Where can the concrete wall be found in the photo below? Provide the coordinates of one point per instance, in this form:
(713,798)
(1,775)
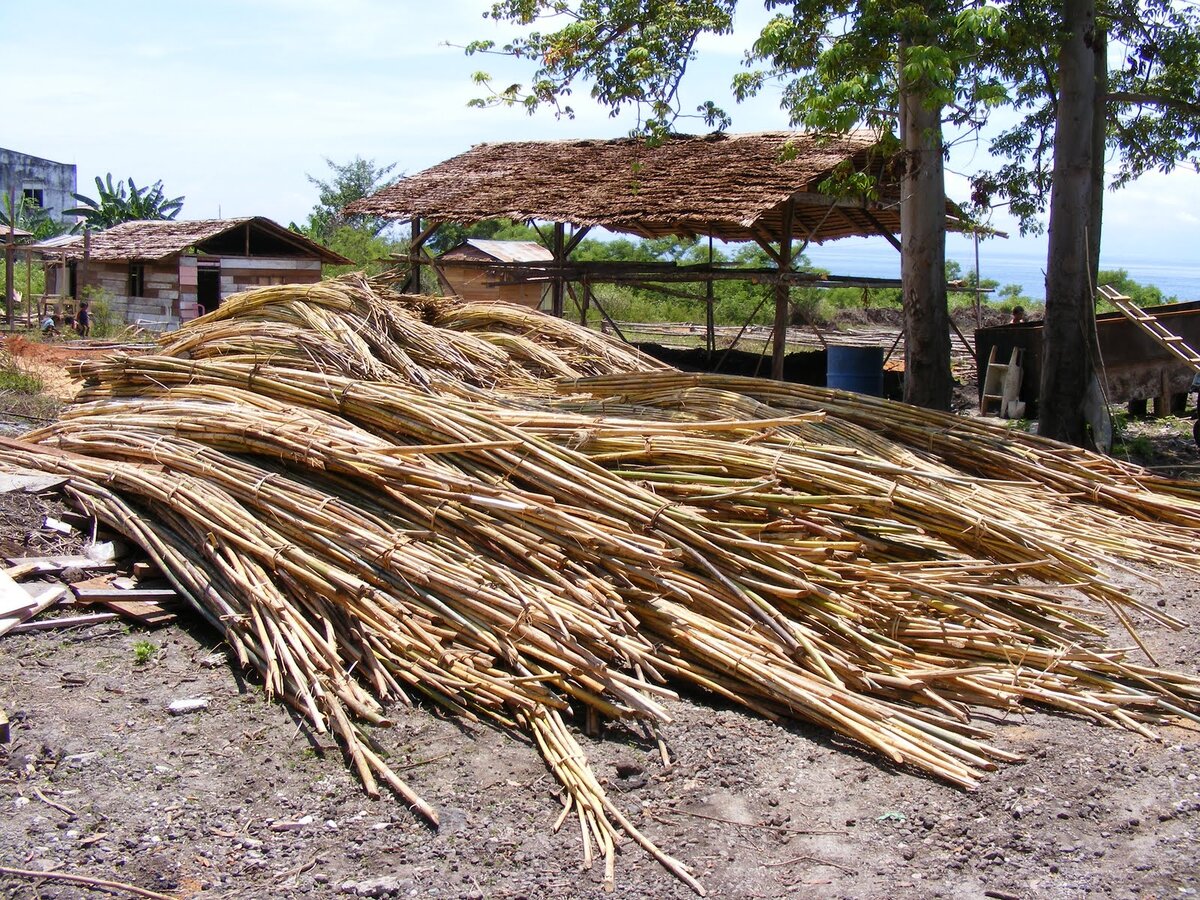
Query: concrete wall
(56,181)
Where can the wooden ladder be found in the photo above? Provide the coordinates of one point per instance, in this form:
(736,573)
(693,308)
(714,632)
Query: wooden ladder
(1130,310)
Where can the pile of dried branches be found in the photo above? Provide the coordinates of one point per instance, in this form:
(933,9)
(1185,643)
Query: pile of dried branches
(378,498)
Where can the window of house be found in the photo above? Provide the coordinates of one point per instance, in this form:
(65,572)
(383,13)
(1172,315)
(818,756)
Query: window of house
(37,195)
(137,280)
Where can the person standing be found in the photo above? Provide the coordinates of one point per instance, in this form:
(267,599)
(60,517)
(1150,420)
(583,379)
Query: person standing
(83,320)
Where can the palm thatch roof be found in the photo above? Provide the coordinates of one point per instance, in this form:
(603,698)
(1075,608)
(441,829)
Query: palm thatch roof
(732,186)
(152,240)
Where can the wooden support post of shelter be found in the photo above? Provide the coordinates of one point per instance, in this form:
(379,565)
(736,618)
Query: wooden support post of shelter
(413,282)
(710,320)
(783,293)
(9,245)
(558,285)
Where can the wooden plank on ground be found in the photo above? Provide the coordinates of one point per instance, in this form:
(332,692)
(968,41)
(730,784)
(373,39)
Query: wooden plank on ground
(30,483)
(144,612)
(42,600)
(48,565)
(13,598)
(64,622)
(103,594)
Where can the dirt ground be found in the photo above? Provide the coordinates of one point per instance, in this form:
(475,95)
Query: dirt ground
(242,800)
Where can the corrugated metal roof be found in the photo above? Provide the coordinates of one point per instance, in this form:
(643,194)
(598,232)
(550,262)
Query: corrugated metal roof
(512,251)
(57,243)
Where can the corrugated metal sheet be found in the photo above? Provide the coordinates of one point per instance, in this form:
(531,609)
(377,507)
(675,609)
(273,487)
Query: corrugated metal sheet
(512,251)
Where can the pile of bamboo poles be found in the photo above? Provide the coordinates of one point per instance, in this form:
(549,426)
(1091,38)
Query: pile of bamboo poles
(378,498)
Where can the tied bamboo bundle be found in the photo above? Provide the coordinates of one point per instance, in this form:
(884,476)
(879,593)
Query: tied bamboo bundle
(380,498)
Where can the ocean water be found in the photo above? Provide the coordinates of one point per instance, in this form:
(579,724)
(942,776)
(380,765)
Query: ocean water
(1175,278)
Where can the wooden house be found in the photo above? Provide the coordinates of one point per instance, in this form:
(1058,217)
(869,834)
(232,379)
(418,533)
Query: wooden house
(161,273)
(464,270)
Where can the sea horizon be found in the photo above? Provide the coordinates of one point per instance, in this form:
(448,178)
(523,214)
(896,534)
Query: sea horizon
(1180,281)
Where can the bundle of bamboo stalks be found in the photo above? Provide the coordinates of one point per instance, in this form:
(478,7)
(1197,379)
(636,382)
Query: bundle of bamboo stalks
(378,497)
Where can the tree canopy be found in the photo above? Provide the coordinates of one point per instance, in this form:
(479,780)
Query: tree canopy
(115,203)
(27,215)
(905,68)
(348,182)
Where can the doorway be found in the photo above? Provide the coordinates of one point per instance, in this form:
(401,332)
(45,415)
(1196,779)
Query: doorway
(208,285)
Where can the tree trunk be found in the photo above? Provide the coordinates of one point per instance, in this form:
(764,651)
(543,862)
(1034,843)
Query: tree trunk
(927,378)
(1067,359)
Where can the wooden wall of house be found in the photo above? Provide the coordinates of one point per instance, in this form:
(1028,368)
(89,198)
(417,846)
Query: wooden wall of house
(471,283)
(159,303)
(241,273)
(170,293)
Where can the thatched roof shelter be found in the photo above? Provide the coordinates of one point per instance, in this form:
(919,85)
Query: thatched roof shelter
(730,186)
(156,239)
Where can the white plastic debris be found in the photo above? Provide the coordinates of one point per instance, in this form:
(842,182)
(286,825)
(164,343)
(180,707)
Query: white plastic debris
(190,705)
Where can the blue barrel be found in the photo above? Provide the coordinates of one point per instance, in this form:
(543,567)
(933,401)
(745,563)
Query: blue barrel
(858,369)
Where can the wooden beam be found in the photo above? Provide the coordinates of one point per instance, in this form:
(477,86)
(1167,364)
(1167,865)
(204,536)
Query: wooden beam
(882,229)
(557,288)
(420,240)
(609,319)
(769,250)
(782,294)
(576,238)
(738,337)
(413,282)
(710,326)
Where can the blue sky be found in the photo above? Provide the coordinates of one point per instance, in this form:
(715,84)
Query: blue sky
(232,103)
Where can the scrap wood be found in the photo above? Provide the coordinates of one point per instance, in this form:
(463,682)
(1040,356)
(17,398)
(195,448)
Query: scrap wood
(144,612)
(377,498)
(52,565)
(11,615)
(60,622)
(89,594)
(29,482)
(20,570)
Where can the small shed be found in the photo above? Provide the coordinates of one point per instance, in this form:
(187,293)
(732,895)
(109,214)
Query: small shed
(1136,367)
(161,273)
(462,271)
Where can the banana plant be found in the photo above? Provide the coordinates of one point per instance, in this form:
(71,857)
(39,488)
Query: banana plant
(117,204)
(28,216)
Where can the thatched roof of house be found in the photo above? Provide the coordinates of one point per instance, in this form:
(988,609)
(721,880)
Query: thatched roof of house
(732,186)
(152,240)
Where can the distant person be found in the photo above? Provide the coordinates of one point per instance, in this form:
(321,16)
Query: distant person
(50,325)
(1018,315)
(83,320)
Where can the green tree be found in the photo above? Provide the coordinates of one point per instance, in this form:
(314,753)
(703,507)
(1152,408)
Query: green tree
(116,204)
(28,216)
(895,66)
(1076,110)
(1142,294)
(370,253)
(451,234)
(348,182)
